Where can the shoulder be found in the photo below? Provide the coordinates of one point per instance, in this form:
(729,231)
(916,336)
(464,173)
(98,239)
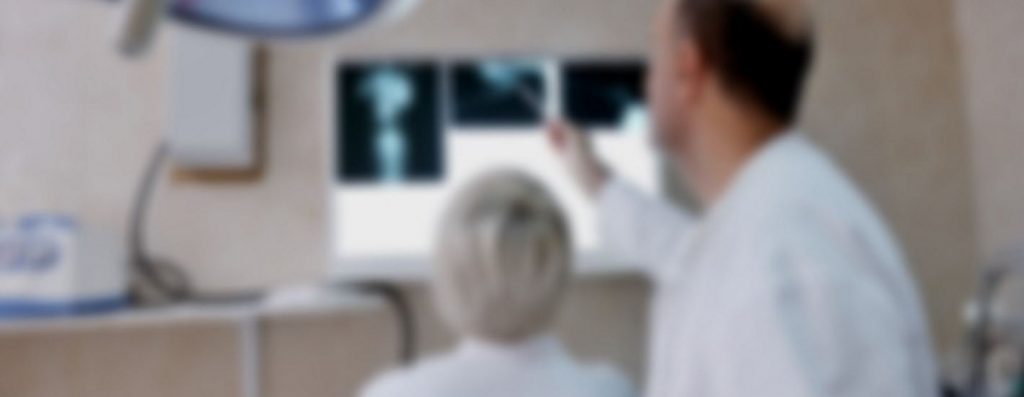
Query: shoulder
(415,381)
(795,174)
(391,384)
(606,380)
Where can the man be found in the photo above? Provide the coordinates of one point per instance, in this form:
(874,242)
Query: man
(789,284)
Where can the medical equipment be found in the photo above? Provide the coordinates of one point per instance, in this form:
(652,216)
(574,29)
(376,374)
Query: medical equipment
(254,18)
(232,142)
(450,148)
(216,104)
(995,326)
(50,265)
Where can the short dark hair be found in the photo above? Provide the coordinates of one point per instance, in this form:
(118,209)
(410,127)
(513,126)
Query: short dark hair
(755,57)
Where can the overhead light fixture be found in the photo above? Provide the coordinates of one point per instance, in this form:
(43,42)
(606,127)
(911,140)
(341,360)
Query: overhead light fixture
(254,18)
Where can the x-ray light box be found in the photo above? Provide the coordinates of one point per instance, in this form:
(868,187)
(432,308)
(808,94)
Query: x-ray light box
(408,134)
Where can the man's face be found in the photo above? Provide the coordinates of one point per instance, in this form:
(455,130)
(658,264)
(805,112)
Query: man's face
(669,87)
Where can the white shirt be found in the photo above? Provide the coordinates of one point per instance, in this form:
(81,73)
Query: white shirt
(790,286)
(537,368)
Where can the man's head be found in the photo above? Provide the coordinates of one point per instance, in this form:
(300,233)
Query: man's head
(503,258)
(746,59)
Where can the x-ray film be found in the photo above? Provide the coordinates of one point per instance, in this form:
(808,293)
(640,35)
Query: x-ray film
(604,95)
(492,112)
(389,130)
(497,93)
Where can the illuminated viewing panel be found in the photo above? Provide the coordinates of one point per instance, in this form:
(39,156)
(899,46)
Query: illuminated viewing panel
(409,133)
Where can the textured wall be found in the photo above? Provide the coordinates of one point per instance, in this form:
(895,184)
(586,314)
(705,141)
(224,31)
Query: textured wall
(76,124)
(886,100)
(990,32)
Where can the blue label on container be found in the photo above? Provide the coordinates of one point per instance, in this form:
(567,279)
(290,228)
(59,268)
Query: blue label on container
(35,222)
(35,245)
(28,309)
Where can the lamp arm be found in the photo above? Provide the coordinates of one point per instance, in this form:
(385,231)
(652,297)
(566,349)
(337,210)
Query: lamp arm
(139,26)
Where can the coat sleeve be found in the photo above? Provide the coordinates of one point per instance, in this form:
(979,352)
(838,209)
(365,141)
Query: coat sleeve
(640,228)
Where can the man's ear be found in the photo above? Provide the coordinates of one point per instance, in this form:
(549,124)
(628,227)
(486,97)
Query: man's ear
(692,71)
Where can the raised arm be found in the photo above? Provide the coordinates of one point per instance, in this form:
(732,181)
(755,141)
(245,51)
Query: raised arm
(639,227)
(634,226)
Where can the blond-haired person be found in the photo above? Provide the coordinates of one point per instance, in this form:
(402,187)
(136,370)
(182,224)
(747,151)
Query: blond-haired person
(503,260)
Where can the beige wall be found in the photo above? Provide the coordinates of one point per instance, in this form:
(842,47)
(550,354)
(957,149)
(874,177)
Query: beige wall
(990,32)
(76,124)
(886,99)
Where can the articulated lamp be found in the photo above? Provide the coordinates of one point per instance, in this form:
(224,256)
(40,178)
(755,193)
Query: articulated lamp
(255,18)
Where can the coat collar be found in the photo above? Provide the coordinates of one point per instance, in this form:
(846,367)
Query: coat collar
(760,169)
(536,348)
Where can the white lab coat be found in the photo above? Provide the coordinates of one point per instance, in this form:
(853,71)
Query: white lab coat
(790,286)
(537,368)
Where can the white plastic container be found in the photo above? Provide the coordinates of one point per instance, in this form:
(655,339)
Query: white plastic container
(52,266)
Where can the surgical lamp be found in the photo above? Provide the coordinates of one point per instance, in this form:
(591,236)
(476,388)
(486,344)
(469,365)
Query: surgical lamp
(258,19)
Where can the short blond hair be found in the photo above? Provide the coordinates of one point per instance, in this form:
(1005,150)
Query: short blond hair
(503,258)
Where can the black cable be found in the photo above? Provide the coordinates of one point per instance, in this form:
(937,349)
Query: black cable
(174,285)
(167,279)
(404,317)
